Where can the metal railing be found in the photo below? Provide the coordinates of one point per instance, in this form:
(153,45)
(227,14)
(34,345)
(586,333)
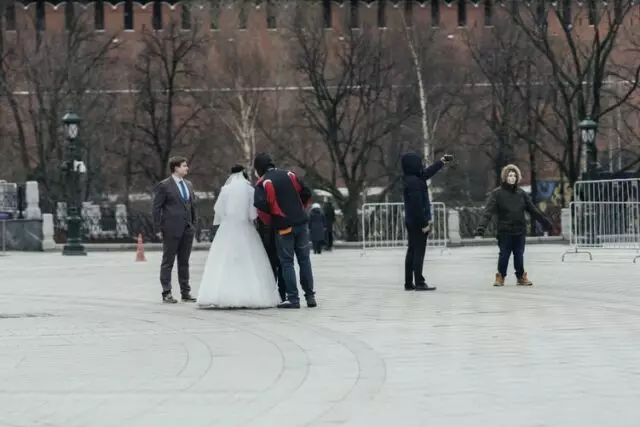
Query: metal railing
(605,215)
(383,226)
(3,237)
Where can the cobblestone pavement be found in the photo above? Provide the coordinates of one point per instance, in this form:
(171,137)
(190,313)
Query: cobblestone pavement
(86,342)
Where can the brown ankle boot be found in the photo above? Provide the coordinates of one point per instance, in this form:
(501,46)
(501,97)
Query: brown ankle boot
(524,280)
(499,280)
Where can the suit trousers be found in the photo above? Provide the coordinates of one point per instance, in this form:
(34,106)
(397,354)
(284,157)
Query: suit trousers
(176,247)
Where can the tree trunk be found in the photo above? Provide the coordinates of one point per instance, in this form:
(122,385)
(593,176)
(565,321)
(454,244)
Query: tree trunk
(351,219)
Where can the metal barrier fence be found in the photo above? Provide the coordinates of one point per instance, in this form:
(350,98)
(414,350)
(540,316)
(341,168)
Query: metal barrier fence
(605,215)
(3,237)
(383,226)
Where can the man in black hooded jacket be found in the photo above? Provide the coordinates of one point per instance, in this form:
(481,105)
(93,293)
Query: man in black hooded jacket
(417,216)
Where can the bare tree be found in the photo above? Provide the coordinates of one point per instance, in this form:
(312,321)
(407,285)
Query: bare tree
(349,112)
(42,78)
(509,94)
(437,78)
(167,81)
(236,88)
(588,68)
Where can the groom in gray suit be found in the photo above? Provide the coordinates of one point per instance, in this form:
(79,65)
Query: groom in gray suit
(174,218)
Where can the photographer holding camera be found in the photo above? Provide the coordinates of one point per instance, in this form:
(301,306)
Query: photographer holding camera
(417,216)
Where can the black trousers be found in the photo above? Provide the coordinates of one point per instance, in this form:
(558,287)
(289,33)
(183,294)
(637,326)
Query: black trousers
(511,244)
(176,247)
(329,238)
(414,260)
(317,246)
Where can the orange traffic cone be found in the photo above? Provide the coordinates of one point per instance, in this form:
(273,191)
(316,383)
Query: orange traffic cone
(140,249)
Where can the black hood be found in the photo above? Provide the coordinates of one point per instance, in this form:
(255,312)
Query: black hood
(411,164)
(262,163)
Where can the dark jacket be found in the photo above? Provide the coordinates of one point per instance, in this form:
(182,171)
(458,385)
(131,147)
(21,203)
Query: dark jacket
(329,214)
(171,214)
(510,203)
(281,197)
(417,206)
(316,225)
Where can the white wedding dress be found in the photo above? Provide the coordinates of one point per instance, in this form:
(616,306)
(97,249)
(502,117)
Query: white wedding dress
(237,273)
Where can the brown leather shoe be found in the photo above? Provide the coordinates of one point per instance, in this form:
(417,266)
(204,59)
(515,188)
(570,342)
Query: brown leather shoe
(499,280)
(524,280)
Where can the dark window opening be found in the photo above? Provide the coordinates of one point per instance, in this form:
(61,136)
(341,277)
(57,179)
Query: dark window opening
(435,13)
(10,17)
(566,13)
(242,16)
(408,13)
(593,11)
(326,13)
(128,15)
(271,15)
(617,11)
(488,13)
(185,17)
(156,18)
(541,13)
(462,13)
(98,15)
(354,15)
(68,15)
(515,6)
(40,16)
(382,13)
(214,13)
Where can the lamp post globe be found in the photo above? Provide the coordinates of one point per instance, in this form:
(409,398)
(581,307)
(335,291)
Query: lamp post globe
(588,132)
(74,244)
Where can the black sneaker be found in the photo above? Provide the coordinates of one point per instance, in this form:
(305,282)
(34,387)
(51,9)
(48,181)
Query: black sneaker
(311,302)
(410,287)
(169,299)
(289,304)
(425,287)
(188,298)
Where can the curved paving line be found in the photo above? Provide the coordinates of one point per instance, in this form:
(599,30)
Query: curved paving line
(374,374)
(104,303)
(188,387)
(163,327)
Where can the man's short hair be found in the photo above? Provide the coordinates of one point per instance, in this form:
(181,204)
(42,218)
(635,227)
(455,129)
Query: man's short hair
(176,162)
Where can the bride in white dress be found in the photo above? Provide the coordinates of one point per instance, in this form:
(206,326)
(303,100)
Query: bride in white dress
(237,273)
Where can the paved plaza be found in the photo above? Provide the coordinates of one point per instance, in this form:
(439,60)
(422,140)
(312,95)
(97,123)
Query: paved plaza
(85,342)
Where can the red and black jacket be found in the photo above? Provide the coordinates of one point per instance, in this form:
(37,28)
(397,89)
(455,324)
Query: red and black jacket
(281,199)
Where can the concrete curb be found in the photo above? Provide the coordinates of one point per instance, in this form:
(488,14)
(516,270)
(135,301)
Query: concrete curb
(204,246)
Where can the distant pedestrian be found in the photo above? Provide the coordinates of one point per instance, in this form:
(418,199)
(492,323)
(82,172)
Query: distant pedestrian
(317,228)
(509,203)
(329,220)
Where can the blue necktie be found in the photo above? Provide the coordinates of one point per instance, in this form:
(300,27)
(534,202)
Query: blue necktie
(183,190)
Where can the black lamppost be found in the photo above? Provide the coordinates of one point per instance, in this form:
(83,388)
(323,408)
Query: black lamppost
(589,152)
(589,171)
(73,167)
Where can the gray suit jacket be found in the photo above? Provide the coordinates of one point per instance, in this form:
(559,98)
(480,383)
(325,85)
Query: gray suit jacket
(171,214)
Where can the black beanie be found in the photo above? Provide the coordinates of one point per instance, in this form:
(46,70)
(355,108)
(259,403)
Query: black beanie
(262,163)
